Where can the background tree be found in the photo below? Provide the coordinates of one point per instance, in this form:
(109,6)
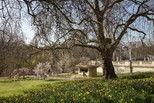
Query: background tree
(97,24)
(130,43)
(12,51)
(94,24)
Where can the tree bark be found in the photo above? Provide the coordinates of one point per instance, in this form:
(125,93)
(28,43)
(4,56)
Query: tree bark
(131,67)
(107,55)
(108,69)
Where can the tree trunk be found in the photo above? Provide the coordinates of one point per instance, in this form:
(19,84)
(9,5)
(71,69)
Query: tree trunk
(108,69)
(107,55)
(131,67)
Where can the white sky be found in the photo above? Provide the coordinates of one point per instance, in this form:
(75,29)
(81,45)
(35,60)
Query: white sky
(28,31)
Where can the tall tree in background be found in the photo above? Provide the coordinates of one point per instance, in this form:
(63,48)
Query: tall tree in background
(97,24)
(12,51)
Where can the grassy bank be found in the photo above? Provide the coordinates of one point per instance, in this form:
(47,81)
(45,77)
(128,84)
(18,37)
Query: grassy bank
(123,90)
(10,87)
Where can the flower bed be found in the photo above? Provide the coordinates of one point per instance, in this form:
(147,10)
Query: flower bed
(90,91)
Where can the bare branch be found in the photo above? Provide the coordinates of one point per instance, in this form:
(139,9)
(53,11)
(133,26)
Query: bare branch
(90,5)
(87,46)
(129,22)
(144,34)
(114,3)
(137,30)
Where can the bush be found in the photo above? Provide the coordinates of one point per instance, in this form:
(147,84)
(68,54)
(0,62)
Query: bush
(138,75)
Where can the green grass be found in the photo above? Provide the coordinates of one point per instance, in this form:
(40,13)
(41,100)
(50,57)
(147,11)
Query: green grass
(137,75)
(10,87)
(90,91)
(128,88)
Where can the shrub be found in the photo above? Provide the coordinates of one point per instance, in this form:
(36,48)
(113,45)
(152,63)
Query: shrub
(138,75)
(42,69)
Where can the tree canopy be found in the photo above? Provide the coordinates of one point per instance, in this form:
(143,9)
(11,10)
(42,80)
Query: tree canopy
(97,24)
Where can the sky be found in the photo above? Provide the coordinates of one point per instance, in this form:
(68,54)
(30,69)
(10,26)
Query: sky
(28,31)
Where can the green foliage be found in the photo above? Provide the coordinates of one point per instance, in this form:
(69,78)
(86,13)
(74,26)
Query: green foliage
(138,75)
(90,91)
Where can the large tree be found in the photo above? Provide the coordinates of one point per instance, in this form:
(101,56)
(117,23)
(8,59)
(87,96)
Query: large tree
(12,52)
(97,24)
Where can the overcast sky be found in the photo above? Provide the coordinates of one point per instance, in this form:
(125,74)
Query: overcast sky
(28,31)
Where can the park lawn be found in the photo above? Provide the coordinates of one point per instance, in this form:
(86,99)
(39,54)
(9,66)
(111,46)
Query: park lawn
(10,87)
(128,88)
(90,91)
